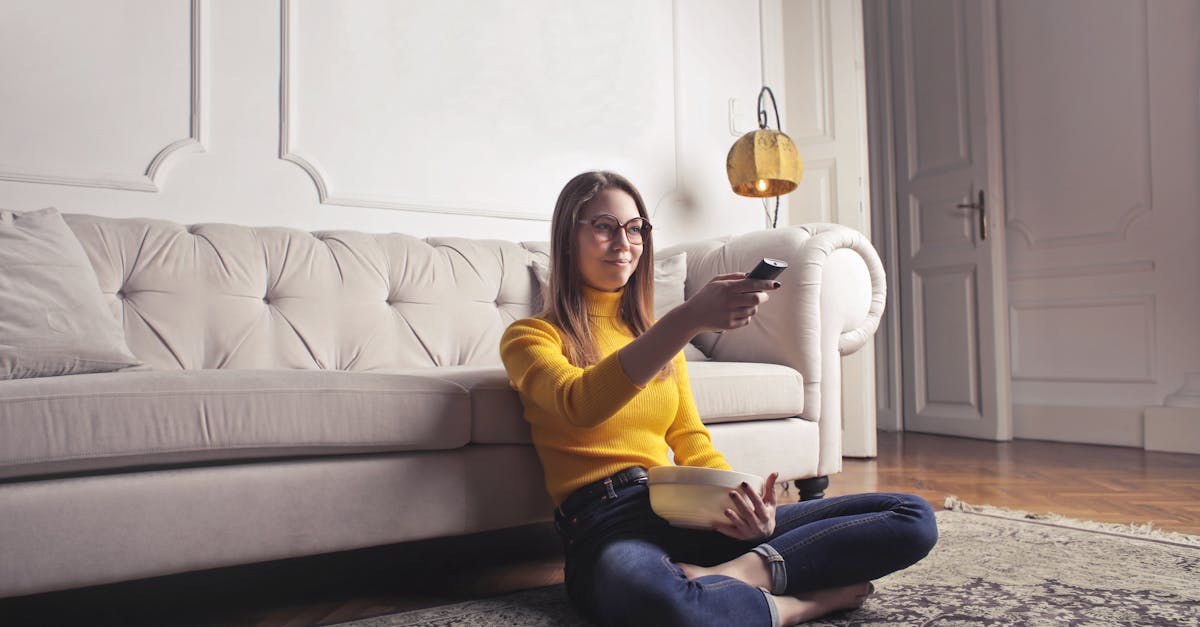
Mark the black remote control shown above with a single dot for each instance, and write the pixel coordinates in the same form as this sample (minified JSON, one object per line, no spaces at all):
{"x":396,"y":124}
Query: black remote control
{"x":767,"y":269}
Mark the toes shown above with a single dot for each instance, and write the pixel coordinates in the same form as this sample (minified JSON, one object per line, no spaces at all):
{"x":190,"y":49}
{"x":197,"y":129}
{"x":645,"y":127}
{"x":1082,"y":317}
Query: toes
{"x":868,"y":591}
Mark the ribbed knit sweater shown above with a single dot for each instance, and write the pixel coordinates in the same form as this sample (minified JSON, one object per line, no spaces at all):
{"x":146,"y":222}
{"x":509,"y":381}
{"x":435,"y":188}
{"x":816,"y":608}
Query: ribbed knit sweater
{"x":588,"y":423}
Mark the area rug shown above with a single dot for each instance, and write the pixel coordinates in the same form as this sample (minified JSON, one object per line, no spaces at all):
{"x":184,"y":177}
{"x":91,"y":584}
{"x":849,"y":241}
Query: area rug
{"x":990,"y":567}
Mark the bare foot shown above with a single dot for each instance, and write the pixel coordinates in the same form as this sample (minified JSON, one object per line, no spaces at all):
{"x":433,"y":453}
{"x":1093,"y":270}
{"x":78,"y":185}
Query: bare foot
{"x":807,"y":606}
{"x":748,"y":568}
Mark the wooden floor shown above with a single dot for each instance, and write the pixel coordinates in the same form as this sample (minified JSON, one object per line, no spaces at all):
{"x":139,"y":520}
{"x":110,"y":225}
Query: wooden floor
{"x":1091,"y":482}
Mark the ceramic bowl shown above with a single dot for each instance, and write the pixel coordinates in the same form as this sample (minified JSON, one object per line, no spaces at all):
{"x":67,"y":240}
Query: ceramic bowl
{"x":695,"y":498}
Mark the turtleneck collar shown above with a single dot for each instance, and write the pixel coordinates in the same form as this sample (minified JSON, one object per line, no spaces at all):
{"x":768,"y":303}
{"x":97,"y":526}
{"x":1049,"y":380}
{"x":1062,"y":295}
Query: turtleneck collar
{"x":606,"y":304}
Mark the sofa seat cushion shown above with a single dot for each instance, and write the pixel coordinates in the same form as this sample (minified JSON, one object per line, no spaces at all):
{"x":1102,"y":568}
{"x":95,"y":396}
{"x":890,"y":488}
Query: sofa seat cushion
{"x":724,"y":392}
{"x":734,"y":391}
{"x":112,"y":420}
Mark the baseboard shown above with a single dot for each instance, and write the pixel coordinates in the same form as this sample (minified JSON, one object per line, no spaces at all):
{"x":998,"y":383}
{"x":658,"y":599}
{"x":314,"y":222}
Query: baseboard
{"x":1168,"y":429}
{"x":1173,"y":429}
{"x":1112,"y":426}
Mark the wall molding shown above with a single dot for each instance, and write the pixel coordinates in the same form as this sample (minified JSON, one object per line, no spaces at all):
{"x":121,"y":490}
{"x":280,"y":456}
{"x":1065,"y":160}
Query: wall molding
{"x":150,"y":179}
{"x":1147,"y":302}
{"x":1062,"y":272}
{"x":1166,"y":429}
{"x":1112,"y":426}
{"x":1173,"y":429}
{"x":1120,"y":229}
{"x":328,"y":196}
{"x":1119,"y":232}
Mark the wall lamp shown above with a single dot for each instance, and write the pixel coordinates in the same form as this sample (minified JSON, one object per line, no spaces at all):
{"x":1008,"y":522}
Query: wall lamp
{"x":764,"y":163}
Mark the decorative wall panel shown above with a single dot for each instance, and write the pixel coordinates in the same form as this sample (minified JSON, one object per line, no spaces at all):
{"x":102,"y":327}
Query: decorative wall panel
{"x":1101,"y":340}
{"x":1077,"y":141}
{"x":99,"y":100}
{"x":391,"y":105}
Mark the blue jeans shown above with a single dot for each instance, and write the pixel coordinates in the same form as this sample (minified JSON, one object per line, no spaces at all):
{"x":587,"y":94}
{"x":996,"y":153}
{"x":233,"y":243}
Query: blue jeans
{"x":621,"y":558}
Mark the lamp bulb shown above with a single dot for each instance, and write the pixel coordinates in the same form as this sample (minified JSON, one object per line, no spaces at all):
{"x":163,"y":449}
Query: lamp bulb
{"x":761,"y":185}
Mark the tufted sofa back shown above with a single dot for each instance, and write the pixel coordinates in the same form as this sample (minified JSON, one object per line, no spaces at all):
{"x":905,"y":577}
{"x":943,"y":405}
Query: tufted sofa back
{"x":223,"y":296}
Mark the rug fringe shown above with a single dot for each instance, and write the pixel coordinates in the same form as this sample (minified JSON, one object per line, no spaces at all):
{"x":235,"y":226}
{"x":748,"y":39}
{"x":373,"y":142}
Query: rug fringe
{"x":1146,"y":530}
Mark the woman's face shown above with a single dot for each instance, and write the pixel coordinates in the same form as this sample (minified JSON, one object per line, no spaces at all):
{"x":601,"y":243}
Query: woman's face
{"x":607,"y":265}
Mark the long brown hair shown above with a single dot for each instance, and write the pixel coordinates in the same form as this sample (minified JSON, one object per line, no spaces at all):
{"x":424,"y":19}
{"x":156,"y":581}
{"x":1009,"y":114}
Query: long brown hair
{"x":565,"y":307}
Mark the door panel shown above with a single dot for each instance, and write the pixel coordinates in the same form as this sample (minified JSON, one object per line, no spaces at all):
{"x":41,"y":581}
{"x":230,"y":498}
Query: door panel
{"x":948,"y":386}
{"x":937,"y":105}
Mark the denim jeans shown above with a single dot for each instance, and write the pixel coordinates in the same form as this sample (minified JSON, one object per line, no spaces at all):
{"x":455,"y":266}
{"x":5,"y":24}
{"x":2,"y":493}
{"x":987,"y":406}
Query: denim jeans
{"x":621,"y":558}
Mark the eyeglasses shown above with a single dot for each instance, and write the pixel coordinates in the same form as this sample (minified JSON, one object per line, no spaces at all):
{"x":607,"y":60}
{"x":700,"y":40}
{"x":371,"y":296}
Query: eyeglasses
{"x":605,"y":227}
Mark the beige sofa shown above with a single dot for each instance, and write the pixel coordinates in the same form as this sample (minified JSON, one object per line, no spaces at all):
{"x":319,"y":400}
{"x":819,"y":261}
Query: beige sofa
{"x":303,"y":393}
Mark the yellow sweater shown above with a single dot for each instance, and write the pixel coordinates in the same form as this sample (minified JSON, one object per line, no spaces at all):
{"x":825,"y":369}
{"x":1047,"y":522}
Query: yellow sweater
{"x":588,"y":423}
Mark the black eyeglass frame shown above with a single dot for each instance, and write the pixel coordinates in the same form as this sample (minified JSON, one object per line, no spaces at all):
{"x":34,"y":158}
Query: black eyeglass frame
{"x":641,"y":237}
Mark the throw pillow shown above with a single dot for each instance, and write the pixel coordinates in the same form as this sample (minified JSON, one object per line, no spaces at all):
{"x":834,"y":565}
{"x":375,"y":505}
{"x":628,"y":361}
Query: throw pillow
{"x":669,"y":276}
{"x":53,"y":318}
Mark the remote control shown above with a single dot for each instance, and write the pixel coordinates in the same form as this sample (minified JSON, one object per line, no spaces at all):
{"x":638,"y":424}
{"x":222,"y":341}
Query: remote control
{"x":767,"y":269}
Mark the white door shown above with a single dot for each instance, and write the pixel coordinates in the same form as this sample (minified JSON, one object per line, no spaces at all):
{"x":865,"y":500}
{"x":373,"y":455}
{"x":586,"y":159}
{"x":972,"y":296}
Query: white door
{"x":950,"y":228}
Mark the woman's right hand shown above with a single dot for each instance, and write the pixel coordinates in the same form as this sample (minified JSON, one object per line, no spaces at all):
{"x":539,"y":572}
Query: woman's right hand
{"x":728,"y":301}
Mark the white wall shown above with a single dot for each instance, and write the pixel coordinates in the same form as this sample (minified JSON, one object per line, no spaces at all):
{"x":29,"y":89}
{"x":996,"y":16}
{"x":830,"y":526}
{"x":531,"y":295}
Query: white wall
{"x":450,"y":117}
{"x":1101,"y":116}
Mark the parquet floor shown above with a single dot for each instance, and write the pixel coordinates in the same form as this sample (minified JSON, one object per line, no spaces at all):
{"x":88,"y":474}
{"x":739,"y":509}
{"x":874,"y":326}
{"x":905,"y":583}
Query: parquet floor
{"x":1091,"y":482}
{"x":1102,"y":483}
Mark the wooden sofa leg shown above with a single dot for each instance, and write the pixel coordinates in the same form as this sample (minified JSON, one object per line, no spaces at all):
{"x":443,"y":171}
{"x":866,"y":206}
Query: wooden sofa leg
{"x":813,"y":488}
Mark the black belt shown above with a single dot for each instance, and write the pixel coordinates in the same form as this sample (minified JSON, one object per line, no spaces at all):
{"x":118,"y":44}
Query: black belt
{"x":592,"y":491}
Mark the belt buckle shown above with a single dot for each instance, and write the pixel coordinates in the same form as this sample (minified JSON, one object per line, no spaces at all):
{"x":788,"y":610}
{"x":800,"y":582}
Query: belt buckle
{"x":610,"y":491}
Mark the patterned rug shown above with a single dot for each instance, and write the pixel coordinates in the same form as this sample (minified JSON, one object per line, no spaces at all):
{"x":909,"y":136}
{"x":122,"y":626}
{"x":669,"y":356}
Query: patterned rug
{"x":990,"y":567}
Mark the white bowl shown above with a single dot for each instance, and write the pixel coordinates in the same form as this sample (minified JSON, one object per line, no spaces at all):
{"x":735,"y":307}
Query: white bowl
{"x":695,"y":498}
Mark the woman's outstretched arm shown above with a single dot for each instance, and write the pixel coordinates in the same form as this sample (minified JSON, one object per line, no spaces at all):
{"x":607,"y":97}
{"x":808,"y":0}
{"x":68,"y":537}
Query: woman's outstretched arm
{"x":532,"y":353}
{"x":727,"y":302}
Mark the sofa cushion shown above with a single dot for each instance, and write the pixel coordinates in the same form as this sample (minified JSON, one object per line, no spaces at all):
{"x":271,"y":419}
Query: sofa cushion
{"x":112,"y":420}
{"x":210,"y":296}
{"x":497,"y":416}
{"x":53,"y":318}
{"x":719,"y":388}
{"x":735,"y":392}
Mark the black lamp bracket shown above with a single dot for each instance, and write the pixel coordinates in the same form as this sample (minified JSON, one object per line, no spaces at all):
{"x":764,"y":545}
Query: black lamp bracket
{"x":762,"y":123}
{"x":762,"y":111}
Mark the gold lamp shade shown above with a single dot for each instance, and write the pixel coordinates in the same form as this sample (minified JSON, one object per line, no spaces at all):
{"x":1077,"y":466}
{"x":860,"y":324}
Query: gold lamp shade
{"x":764,"y":163}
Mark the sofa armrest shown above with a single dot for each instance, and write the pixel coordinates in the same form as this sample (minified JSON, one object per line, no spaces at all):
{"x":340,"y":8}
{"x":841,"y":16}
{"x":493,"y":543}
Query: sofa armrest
{"x":832,"y":297}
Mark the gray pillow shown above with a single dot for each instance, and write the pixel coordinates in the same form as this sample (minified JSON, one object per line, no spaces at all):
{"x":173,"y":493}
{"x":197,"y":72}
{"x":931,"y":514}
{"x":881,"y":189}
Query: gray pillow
{"x":669,"y":275}
{"x":53,"y":318}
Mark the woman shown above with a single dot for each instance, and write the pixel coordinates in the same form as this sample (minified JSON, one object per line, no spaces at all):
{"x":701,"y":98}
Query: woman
{"x":606,"y":392}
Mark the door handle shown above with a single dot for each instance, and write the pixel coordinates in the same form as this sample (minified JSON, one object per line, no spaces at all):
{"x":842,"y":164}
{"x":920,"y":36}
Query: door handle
{"x":982,"y":214}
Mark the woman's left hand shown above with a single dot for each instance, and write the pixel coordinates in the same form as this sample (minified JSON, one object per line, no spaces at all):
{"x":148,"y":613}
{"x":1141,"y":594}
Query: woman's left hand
{"x":751,"y":517}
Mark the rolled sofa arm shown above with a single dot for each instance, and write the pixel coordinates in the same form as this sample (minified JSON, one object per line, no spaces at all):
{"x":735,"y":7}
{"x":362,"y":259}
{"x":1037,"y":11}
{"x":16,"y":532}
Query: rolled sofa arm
{"x":830,"y":303}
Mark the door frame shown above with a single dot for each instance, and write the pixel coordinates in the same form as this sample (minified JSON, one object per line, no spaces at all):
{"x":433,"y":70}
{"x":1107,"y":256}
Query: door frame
{"x":877,"y":16}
